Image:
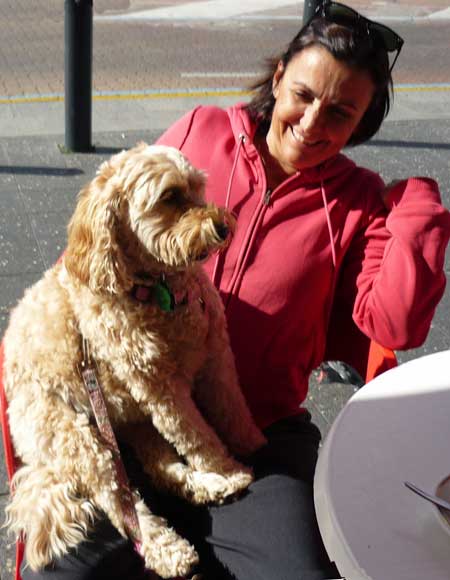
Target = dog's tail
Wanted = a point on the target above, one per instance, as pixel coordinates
(49, 512)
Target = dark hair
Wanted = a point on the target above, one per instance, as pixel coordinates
(348, 43)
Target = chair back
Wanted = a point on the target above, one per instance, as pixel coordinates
(380, 360)
(12, 463)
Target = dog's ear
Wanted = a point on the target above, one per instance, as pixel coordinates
(93, 253)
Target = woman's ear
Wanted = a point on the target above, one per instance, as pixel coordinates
(276, 79)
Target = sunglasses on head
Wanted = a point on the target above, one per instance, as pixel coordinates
(340, 13)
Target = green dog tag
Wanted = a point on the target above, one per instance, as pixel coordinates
(163, 297)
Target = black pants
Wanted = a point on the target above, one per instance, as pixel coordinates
(269, 533)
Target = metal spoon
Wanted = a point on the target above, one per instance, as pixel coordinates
(442, 503)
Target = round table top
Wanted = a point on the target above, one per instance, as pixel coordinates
(395, 429)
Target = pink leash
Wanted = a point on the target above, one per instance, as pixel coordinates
(90, 380)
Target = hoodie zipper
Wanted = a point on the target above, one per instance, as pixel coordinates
(267, 196)
(248, 244)
(248, 241)
(252, 229)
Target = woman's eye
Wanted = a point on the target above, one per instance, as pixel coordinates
(303, 96)
(340, 113)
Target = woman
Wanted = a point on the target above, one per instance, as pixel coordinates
(318, 239)
(316, 235)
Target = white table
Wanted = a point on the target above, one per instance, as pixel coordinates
(395, 429)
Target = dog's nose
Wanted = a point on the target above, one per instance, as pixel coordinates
(222, 231)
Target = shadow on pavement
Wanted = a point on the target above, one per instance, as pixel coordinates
(407, 144)
(28, 170)
(102, 150)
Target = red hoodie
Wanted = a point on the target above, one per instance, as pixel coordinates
(321, 241)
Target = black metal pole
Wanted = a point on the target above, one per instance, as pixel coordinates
(78, 24)
(309, 9)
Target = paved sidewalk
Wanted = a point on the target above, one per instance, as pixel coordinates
(281, 9)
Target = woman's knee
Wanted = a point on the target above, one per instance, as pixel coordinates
(271, 533)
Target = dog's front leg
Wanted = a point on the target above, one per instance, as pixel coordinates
(166, 468)
(178, 420)
(217, 390)
(219, 396)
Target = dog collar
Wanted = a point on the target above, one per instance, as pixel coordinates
(160, 294)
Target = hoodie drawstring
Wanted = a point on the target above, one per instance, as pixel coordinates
(227, 199)
(330, 228)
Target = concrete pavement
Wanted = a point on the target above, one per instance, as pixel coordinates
(38, 184)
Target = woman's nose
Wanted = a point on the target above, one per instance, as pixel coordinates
(312, 119)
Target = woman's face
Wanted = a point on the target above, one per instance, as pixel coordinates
(319, 102)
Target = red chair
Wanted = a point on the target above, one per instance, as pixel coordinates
(380, 359)
(12, 462)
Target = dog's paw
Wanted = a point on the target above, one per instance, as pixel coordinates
(168, 554)
(206, 487)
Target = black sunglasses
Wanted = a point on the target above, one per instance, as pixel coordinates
(340, 13)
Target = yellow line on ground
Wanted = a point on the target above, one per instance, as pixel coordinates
(424, 88)
(16, 100)
(129, 96)
(178, 95)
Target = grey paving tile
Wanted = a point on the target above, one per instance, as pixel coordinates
(123, 140)
(4, 317)
(50, 230)
(330, 398)
(13, 286)
(11, 290)
(436, 342)
(47, 199)
(19, 251)
(4, 159)
(37, 180)
(7, 179)
(441, 320)
(19, 148)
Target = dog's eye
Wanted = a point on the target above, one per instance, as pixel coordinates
(173, 195)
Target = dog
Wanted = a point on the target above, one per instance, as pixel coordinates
(131, 286)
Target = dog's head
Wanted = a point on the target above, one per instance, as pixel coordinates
(144, 211)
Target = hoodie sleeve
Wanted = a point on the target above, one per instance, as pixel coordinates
(397, 265)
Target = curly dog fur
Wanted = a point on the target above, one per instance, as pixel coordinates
(168, 377)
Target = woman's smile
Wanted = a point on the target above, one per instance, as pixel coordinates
(304, 141)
